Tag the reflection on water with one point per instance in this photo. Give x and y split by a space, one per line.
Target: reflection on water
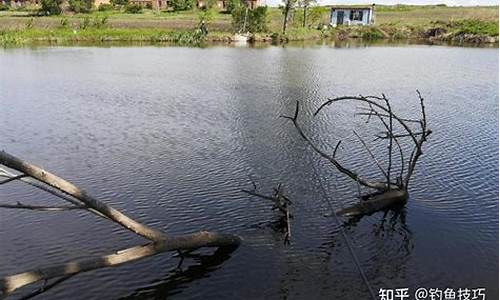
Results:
171 136
348 43
172 283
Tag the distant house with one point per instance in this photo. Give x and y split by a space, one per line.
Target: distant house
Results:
352 15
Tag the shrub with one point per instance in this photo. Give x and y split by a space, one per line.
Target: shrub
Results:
119 2
85 23
473 26
371 33
81 6
317 15
64 23
100 22
207 15
50 7
29 23
187 37
105 7
232 4
179 5
132 8
96 22
4 6
7 39
256 19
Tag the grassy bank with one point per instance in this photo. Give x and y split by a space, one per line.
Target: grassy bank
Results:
434 23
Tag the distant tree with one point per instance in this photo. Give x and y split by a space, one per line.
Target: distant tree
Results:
50 7
81 6
256 19
207 15
105 7
316 15
305 5
232 4
289 6
132 8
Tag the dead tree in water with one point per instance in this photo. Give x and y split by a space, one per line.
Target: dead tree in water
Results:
159 241
281 203
393 189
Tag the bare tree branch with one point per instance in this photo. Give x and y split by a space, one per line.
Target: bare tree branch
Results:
253 193
371 154
280 202
389 166
390 133
366 99
69 188
373 102
46 286
340 167
44 187
13 178
42 208
384 116
423 138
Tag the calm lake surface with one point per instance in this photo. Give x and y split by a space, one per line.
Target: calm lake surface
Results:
171 135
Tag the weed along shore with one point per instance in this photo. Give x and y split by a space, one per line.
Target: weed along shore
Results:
124 23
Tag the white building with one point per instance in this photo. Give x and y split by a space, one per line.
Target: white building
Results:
352 15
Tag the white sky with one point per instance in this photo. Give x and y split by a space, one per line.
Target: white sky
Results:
419 2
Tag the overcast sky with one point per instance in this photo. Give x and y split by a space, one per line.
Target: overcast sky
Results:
420 2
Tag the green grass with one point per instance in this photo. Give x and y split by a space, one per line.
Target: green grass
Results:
421 15
62 35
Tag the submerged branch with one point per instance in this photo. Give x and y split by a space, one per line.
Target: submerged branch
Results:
42 208
280 202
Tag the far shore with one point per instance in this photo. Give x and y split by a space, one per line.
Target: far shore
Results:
427 24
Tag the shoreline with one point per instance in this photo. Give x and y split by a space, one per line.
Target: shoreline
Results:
367 34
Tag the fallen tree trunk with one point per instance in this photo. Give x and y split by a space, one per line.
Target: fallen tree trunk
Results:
376 203
9 284
161 242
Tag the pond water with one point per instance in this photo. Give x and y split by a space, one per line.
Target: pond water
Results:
171 135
